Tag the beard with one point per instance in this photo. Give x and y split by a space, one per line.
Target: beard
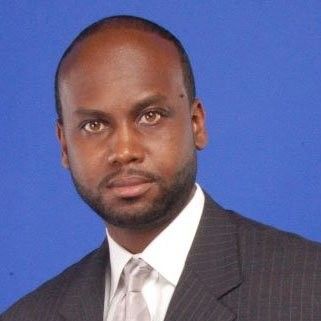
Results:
170 200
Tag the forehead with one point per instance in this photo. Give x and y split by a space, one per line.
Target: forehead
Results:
120 63
122 50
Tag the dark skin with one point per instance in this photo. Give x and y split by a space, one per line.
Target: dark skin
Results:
128 126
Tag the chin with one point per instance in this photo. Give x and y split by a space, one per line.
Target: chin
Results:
142 216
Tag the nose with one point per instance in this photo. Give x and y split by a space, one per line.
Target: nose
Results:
125 146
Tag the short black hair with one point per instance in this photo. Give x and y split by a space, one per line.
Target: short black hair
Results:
130 22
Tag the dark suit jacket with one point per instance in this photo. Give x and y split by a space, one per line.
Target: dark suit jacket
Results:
237 269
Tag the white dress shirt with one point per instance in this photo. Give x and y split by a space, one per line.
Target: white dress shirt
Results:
166 254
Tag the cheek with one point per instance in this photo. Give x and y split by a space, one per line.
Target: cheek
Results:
86 161
171 149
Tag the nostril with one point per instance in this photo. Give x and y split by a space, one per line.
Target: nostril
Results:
126 155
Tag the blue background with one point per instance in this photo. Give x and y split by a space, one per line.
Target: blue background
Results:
258 72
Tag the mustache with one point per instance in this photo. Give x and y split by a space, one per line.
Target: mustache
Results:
125 173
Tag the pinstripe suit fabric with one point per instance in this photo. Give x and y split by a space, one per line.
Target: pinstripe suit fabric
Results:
237 269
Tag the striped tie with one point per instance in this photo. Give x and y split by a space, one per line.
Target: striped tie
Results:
133 306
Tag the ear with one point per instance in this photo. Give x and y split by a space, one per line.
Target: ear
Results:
63 146
198 125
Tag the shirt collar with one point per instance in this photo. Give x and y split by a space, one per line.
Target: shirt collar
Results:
167 253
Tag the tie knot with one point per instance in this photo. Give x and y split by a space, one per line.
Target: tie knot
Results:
136 271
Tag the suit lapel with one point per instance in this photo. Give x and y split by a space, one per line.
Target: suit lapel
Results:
212 269
84 299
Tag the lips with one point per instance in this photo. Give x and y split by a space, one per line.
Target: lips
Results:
129 186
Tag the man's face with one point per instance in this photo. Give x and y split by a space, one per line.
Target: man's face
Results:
129 133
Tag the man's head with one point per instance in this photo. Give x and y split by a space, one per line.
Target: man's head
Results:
129 124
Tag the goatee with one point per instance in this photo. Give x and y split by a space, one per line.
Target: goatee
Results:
171 199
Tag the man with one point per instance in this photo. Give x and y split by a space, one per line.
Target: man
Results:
129 125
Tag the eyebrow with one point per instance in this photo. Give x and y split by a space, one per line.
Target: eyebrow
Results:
83 111
150 100
137 107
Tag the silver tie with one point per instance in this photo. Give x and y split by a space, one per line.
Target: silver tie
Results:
132 306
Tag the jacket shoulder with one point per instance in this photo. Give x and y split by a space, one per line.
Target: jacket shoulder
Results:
280 272
252 233
42 303
279 260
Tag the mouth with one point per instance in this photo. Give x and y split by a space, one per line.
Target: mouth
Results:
129 186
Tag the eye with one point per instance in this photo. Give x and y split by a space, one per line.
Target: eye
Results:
151 117
94 126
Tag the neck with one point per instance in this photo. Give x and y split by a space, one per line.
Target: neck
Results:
133 240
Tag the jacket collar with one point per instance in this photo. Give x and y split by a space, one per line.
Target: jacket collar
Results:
211 270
